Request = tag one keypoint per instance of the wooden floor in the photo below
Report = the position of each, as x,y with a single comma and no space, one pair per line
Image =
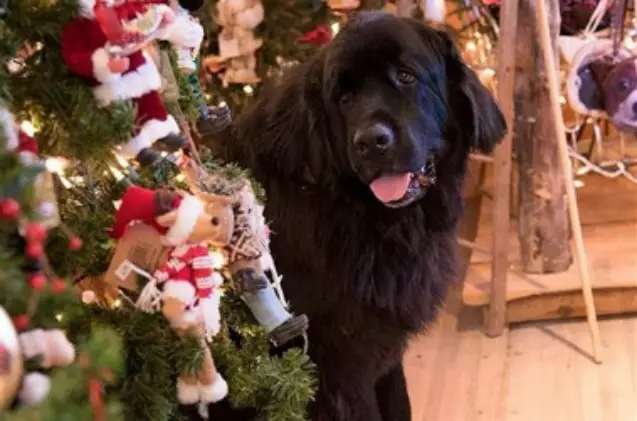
536,372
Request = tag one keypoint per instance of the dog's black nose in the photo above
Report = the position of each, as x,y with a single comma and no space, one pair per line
377,138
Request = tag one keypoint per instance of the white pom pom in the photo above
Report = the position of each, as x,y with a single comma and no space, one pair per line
35,388
46,209
88,297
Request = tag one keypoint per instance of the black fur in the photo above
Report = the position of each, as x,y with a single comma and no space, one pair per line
368,276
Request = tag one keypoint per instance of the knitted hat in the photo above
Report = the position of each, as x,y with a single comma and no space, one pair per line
145,205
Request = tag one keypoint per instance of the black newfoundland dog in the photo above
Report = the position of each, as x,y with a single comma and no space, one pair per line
362,151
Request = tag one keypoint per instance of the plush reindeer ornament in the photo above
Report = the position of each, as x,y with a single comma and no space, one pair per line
602,85
190,296
249,258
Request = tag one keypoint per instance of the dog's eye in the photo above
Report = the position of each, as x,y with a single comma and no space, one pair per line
405,77
345,99
624,85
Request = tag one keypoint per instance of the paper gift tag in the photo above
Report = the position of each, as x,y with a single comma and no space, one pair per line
139,250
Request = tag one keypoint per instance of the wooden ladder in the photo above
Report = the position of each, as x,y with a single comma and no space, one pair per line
495,314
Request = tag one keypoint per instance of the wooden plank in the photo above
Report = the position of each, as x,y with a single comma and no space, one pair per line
570,304
495,319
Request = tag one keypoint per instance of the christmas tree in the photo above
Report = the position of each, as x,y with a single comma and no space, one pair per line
72,342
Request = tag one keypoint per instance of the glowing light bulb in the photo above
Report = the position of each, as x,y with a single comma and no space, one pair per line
218,260
59,317
121,160
117,303
116,173
335,27
27,127
56,165
248,89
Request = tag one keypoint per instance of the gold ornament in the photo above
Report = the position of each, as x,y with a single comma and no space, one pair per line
11,364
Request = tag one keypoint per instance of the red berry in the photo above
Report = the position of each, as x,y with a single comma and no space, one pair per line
34,250
37,282
35,232
9,209
21,322
75,243
58,286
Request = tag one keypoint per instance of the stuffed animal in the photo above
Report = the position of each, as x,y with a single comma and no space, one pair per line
603,86
249,258
119,72
190,295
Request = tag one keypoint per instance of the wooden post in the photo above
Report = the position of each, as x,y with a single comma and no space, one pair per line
495,320
543,227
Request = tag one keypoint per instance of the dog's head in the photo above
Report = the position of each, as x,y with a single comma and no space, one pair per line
617,87
388,103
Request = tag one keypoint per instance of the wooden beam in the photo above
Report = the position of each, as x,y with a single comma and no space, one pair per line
495,319
543,227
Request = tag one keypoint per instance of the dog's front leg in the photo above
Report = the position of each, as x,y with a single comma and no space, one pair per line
393,399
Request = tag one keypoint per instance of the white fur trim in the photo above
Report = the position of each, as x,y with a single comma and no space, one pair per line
8,129
209,310
187,394
35,388
86,8
151,132
144,79
184,31
214,392
102,73
187,213
181,290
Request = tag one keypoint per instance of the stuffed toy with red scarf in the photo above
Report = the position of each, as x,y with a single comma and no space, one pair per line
189,279
100,46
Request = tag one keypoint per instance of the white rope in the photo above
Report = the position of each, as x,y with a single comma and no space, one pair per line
587,166
596,18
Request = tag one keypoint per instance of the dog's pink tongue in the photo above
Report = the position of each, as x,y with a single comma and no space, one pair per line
390,187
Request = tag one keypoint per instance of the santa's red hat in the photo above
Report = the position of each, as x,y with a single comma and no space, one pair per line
27,147
139,204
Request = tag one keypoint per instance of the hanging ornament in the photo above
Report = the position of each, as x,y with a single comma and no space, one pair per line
318,36
602,77
9,209
237,42
11,364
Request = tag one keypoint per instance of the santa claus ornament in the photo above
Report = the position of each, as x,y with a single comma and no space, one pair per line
109,56
189,282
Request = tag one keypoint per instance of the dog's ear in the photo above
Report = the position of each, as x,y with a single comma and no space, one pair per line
286,130
478,113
